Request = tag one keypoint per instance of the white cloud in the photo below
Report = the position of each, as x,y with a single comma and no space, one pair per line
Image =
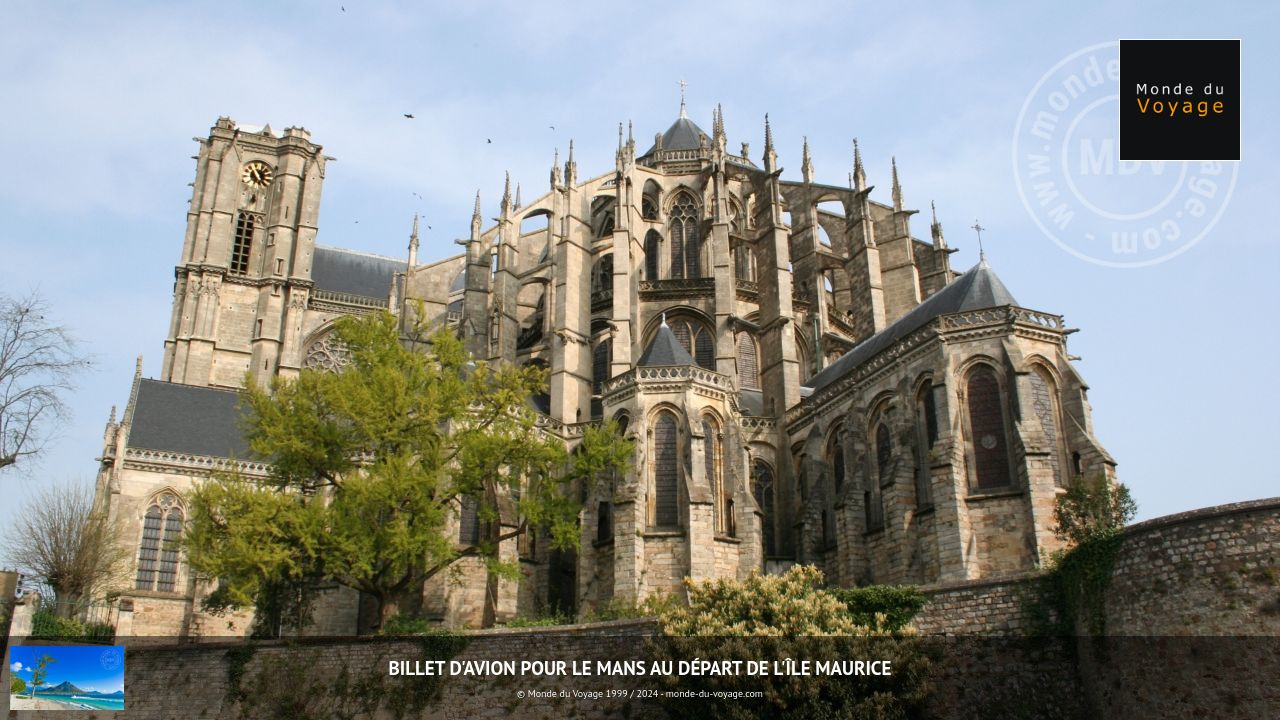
15,667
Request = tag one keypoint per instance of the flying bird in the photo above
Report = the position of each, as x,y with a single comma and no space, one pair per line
342,8
553,127
409,115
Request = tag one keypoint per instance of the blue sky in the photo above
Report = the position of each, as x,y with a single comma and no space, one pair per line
95,668
103,100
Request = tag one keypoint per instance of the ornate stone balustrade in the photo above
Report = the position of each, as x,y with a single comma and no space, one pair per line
186,464
667,374
341,298
677,287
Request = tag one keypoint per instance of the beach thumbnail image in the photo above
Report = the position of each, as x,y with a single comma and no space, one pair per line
66,677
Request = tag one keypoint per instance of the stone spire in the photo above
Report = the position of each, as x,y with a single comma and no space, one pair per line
936,228
475,219
506,195
413,242
684,115
518,203
806,164
897,187
859,174
555,170
571,168
770,156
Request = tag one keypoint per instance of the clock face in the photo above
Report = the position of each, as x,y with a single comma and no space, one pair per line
256,174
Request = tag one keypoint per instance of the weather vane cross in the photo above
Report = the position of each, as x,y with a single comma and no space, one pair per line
978,229
683,85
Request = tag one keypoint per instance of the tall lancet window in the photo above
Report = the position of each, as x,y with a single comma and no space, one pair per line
686,246
665,508
762,489
651,242
715,476
987,435
242,244
748,363
158,551
696,339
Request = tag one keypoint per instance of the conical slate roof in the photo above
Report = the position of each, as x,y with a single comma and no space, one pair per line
684,134
977,289
665,349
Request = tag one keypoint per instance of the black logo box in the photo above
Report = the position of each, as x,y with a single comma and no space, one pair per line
1158,78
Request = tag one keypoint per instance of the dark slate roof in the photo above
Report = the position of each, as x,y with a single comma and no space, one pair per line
751,402
459,283
979,288
357,273
187,419
665,349
682,135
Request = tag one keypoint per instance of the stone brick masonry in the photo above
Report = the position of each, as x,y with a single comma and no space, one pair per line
1192,613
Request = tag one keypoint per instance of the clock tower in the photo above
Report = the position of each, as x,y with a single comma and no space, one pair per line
244,278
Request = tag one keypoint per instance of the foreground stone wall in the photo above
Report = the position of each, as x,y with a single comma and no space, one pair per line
1192,613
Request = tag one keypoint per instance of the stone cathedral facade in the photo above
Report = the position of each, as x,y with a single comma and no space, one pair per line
806,381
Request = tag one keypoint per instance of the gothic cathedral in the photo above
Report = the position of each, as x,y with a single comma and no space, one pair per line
805,380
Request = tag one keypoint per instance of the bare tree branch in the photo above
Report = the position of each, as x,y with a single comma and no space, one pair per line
38,361
60,539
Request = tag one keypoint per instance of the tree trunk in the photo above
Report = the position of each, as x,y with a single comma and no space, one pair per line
407,603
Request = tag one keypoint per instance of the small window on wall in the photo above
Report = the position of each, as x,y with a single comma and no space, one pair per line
604,521
469,521
987,434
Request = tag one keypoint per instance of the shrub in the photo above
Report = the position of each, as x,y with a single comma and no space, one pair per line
886,607
17,685
1092,508
775,617
530,621
403,624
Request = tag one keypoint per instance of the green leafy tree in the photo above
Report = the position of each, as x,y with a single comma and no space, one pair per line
40,673
1094,507
369,465
17,685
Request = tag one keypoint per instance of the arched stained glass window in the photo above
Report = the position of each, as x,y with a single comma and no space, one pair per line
158,550
987,429
696,339
651,243
686,246
666,471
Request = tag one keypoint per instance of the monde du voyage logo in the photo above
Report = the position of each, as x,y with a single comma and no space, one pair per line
1123,151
